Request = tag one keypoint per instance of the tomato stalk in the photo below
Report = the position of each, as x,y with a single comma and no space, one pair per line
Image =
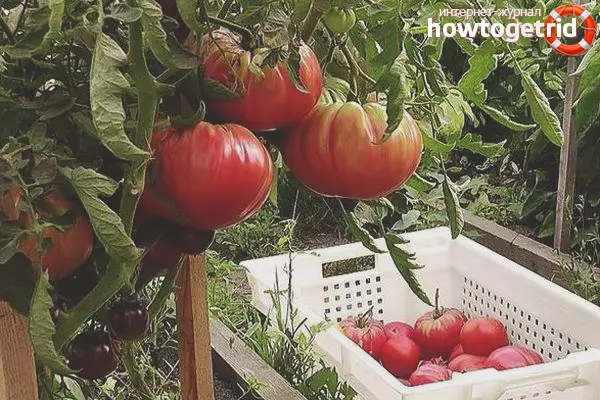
137,378
310,23
437,311
362,319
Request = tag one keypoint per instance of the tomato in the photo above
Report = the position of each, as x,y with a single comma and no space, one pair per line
163,255
398,329
208,177
70,248
467,363
128,320
400,356
189,241
480,336
509,357
365,331
339,20
438,331
333,151
267,102
457,351
429,373
91,354
10,201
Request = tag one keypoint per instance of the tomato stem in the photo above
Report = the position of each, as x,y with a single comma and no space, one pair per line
437,311
248,40
310,23
137,378
362,319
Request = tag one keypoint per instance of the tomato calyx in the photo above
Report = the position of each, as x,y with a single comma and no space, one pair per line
364,318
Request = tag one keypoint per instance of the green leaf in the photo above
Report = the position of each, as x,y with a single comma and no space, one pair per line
42,329
473,142
541,111
405,263
453,210
45,171
155,37
10,245
106,87
534,201
188,12
57,10
361,233
590,61
481,64
432,143
300,12
504,119
73,388
409,219
107,225
334,90
420,184
125,13
17,283
395,81
215,90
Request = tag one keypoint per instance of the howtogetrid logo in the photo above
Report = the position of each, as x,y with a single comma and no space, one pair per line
561,23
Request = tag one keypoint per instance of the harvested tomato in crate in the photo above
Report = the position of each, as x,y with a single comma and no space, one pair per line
500,331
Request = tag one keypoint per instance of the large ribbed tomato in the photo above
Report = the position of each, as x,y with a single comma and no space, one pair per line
267,102
208,177
333,151
70,247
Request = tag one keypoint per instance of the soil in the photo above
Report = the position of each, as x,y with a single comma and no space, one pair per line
225,390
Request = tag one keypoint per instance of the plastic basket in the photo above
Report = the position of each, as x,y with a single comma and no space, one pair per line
561,326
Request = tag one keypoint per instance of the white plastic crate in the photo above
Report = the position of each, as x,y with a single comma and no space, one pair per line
561,326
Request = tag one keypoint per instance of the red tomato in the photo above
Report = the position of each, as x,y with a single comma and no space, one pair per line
457,351
333,151
509,357
9,203
267,102
398,329
429,373
400,356
438,331
480,336
70,248
208,177
467,363
367,332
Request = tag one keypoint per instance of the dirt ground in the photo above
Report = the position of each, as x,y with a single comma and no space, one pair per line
226,390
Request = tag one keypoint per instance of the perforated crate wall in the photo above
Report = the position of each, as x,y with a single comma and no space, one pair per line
524,328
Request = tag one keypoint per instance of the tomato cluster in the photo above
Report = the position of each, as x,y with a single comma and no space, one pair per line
442,342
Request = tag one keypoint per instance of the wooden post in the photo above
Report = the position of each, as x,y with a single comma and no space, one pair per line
195,358
568,163
17,366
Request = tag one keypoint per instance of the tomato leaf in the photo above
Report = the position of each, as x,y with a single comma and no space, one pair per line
420,184
453,209
361,233
395,81
17,283
541,111
45,171
473,143
156,39
107,225
125,13
504,119
483,62
106,87
42,329
405,263
188,12
57,10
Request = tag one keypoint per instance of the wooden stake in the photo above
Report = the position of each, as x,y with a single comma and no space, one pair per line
195,358
17,365
568,164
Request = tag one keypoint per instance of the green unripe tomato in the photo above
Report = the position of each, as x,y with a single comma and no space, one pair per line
339,20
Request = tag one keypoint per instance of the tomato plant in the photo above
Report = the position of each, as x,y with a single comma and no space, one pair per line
112,106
